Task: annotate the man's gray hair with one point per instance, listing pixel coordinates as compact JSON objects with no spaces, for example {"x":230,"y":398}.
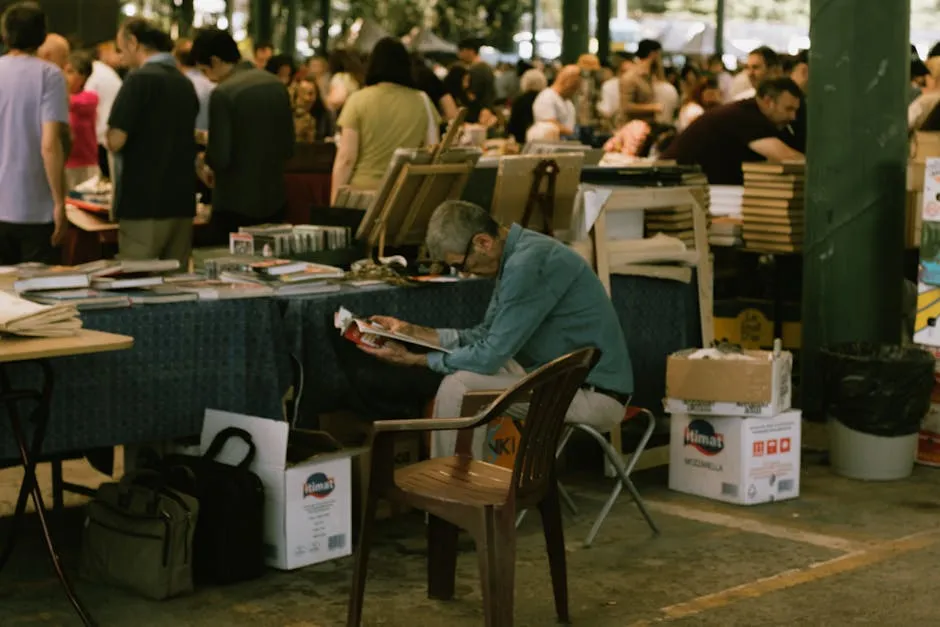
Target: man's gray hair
{"x":453,"y":224}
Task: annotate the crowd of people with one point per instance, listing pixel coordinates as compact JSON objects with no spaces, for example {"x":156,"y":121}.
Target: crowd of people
{"x":146,"y":108}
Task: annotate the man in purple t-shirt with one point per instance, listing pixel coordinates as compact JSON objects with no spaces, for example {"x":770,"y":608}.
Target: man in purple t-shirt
{"x":34,"y":119}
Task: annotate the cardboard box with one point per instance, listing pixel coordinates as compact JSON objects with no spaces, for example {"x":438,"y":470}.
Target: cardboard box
{"x":307,"y":479}
{"x":742,"y":461}
{"x":502,"y":442}
{"x":758,"y":387}
{"x":502,"y":434}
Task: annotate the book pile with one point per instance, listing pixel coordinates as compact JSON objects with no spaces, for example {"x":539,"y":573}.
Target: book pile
{"x":105,"y":284}
{"x":277,"y":276}
{"x":677,"y":221}
{"x":773,"y":206}
{"x":19,"y":316}
{"x":281,"y":240}
{"x":726,"y":231}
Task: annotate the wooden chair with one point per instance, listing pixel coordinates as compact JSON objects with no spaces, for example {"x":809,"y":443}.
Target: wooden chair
{"x":461,"y":493}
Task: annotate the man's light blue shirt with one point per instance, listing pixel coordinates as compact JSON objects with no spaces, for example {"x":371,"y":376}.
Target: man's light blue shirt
{"x":547,"y":303}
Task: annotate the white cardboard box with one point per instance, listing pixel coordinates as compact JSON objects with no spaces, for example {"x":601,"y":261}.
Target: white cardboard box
{"x":307,"y":487}
{"x":758,"y":387}
{"x":736,"y":460}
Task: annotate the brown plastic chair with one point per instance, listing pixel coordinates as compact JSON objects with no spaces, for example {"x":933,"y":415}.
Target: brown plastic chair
{"x":461,"y":493}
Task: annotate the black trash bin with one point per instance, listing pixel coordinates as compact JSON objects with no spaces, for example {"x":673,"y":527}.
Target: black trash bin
{"x":876,"y":396}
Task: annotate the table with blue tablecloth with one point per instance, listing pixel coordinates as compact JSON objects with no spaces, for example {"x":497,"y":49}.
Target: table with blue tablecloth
{"x":186,"y":357}
{"x":235,"y":355}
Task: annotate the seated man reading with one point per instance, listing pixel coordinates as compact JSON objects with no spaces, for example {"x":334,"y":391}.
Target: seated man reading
{"x":547,"y":302}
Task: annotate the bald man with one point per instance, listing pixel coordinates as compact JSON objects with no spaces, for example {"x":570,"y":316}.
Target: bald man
{"x":55,"y":49}
{"x":553,"y":105}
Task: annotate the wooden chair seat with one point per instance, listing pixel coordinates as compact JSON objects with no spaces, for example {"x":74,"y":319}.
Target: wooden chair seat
{"x":457,"y":480}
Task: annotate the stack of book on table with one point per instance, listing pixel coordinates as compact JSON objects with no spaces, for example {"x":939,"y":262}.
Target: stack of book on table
{"x":726,"y":231}
{"x":19,"y":316}
{"x":677,"y":221}
{"x":104,"y":284}
{"x":726,"y":226}
{"x":773,"y":206}
{"x":285,"y":277}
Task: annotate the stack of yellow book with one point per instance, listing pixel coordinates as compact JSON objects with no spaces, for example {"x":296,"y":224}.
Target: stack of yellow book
{"x":677,"y":221}
{"x":773,"y":206}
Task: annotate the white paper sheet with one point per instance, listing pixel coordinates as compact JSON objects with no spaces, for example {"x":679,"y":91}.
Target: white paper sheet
{"x":594,"y":199}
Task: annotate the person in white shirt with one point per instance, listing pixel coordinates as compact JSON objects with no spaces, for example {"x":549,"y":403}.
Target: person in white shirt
{"x":762,"y":63}
{"x":105,"y":82}
{"x":554,"y":104}
{"x":609,"y":103}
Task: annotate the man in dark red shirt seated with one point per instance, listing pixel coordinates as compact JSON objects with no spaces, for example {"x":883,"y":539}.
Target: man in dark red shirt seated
{"x":749,"y":130}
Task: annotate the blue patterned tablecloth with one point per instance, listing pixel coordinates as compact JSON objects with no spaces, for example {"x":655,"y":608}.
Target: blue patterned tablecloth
{"x":235,"y":355}
{"x":186,"y":357}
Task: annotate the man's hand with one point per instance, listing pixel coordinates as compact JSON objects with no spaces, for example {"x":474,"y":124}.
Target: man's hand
{"x":61,"y":225}
{"x":406,"y":328}
{"x":394,"y":324}
{"x":395,"y":353}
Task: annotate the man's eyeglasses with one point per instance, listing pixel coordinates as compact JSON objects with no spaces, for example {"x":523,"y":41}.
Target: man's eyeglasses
{"x":462,"y":266}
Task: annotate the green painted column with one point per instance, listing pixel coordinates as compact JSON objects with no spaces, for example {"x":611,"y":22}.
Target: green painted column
{"x":574,"y":34}
{"x":856,"y":168}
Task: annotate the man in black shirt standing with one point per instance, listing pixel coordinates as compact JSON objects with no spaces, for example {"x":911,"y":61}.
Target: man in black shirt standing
{"x":151,"y":131}
{"x":482,"y":82}
{"x":725,"y":137}
{"x":251,"y":137}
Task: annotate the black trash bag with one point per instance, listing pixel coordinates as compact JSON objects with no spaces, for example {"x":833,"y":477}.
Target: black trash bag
{"x":878,"y":389}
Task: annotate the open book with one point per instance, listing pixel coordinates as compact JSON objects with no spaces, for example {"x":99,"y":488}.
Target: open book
{"x":19,"y":316}
{"x":367,"y":333}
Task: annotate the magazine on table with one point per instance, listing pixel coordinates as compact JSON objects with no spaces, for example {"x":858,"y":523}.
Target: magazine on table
{"x":365,"y":332}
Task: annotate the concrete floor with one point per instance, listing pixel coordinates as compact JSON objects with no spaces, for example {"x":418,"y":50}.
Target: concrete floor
{"x":845,"y":553}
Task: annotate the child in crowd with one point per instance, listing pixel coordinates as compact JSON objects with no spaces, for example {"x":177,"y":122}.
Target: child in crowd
{"x":82,"y":163}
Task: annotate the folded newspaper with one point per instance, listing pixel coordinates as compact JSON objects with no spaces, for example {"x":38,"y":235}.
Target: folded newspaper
{"x":19,"y":316}
{"x":368,"y":333}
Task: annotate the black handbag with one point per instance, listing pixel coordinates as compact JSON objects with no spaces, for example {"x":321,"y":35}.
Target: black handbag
{"x":229,"y":542}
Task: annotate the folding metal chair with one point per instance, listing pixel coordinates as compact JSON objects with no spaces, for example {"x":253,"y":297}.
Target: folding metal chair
{"x":623,"y":470}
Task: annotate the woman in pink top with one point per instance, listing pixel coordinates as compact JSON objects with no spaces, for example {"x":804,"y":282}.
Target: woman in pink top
{"x":82,"y":163}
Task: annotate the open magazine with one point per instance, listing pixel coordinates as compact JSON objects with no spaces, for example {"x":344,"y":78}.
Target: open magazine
{"x":367,"y":333}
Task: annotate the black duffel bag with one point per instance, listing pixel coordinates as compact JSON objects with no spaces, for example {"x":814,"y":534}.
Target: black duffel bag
{"x":229,"y":543}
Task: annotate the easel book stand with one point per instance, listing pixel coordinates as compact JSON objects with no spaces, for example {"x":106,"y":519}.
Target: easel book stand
{"x":400,"y":217}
